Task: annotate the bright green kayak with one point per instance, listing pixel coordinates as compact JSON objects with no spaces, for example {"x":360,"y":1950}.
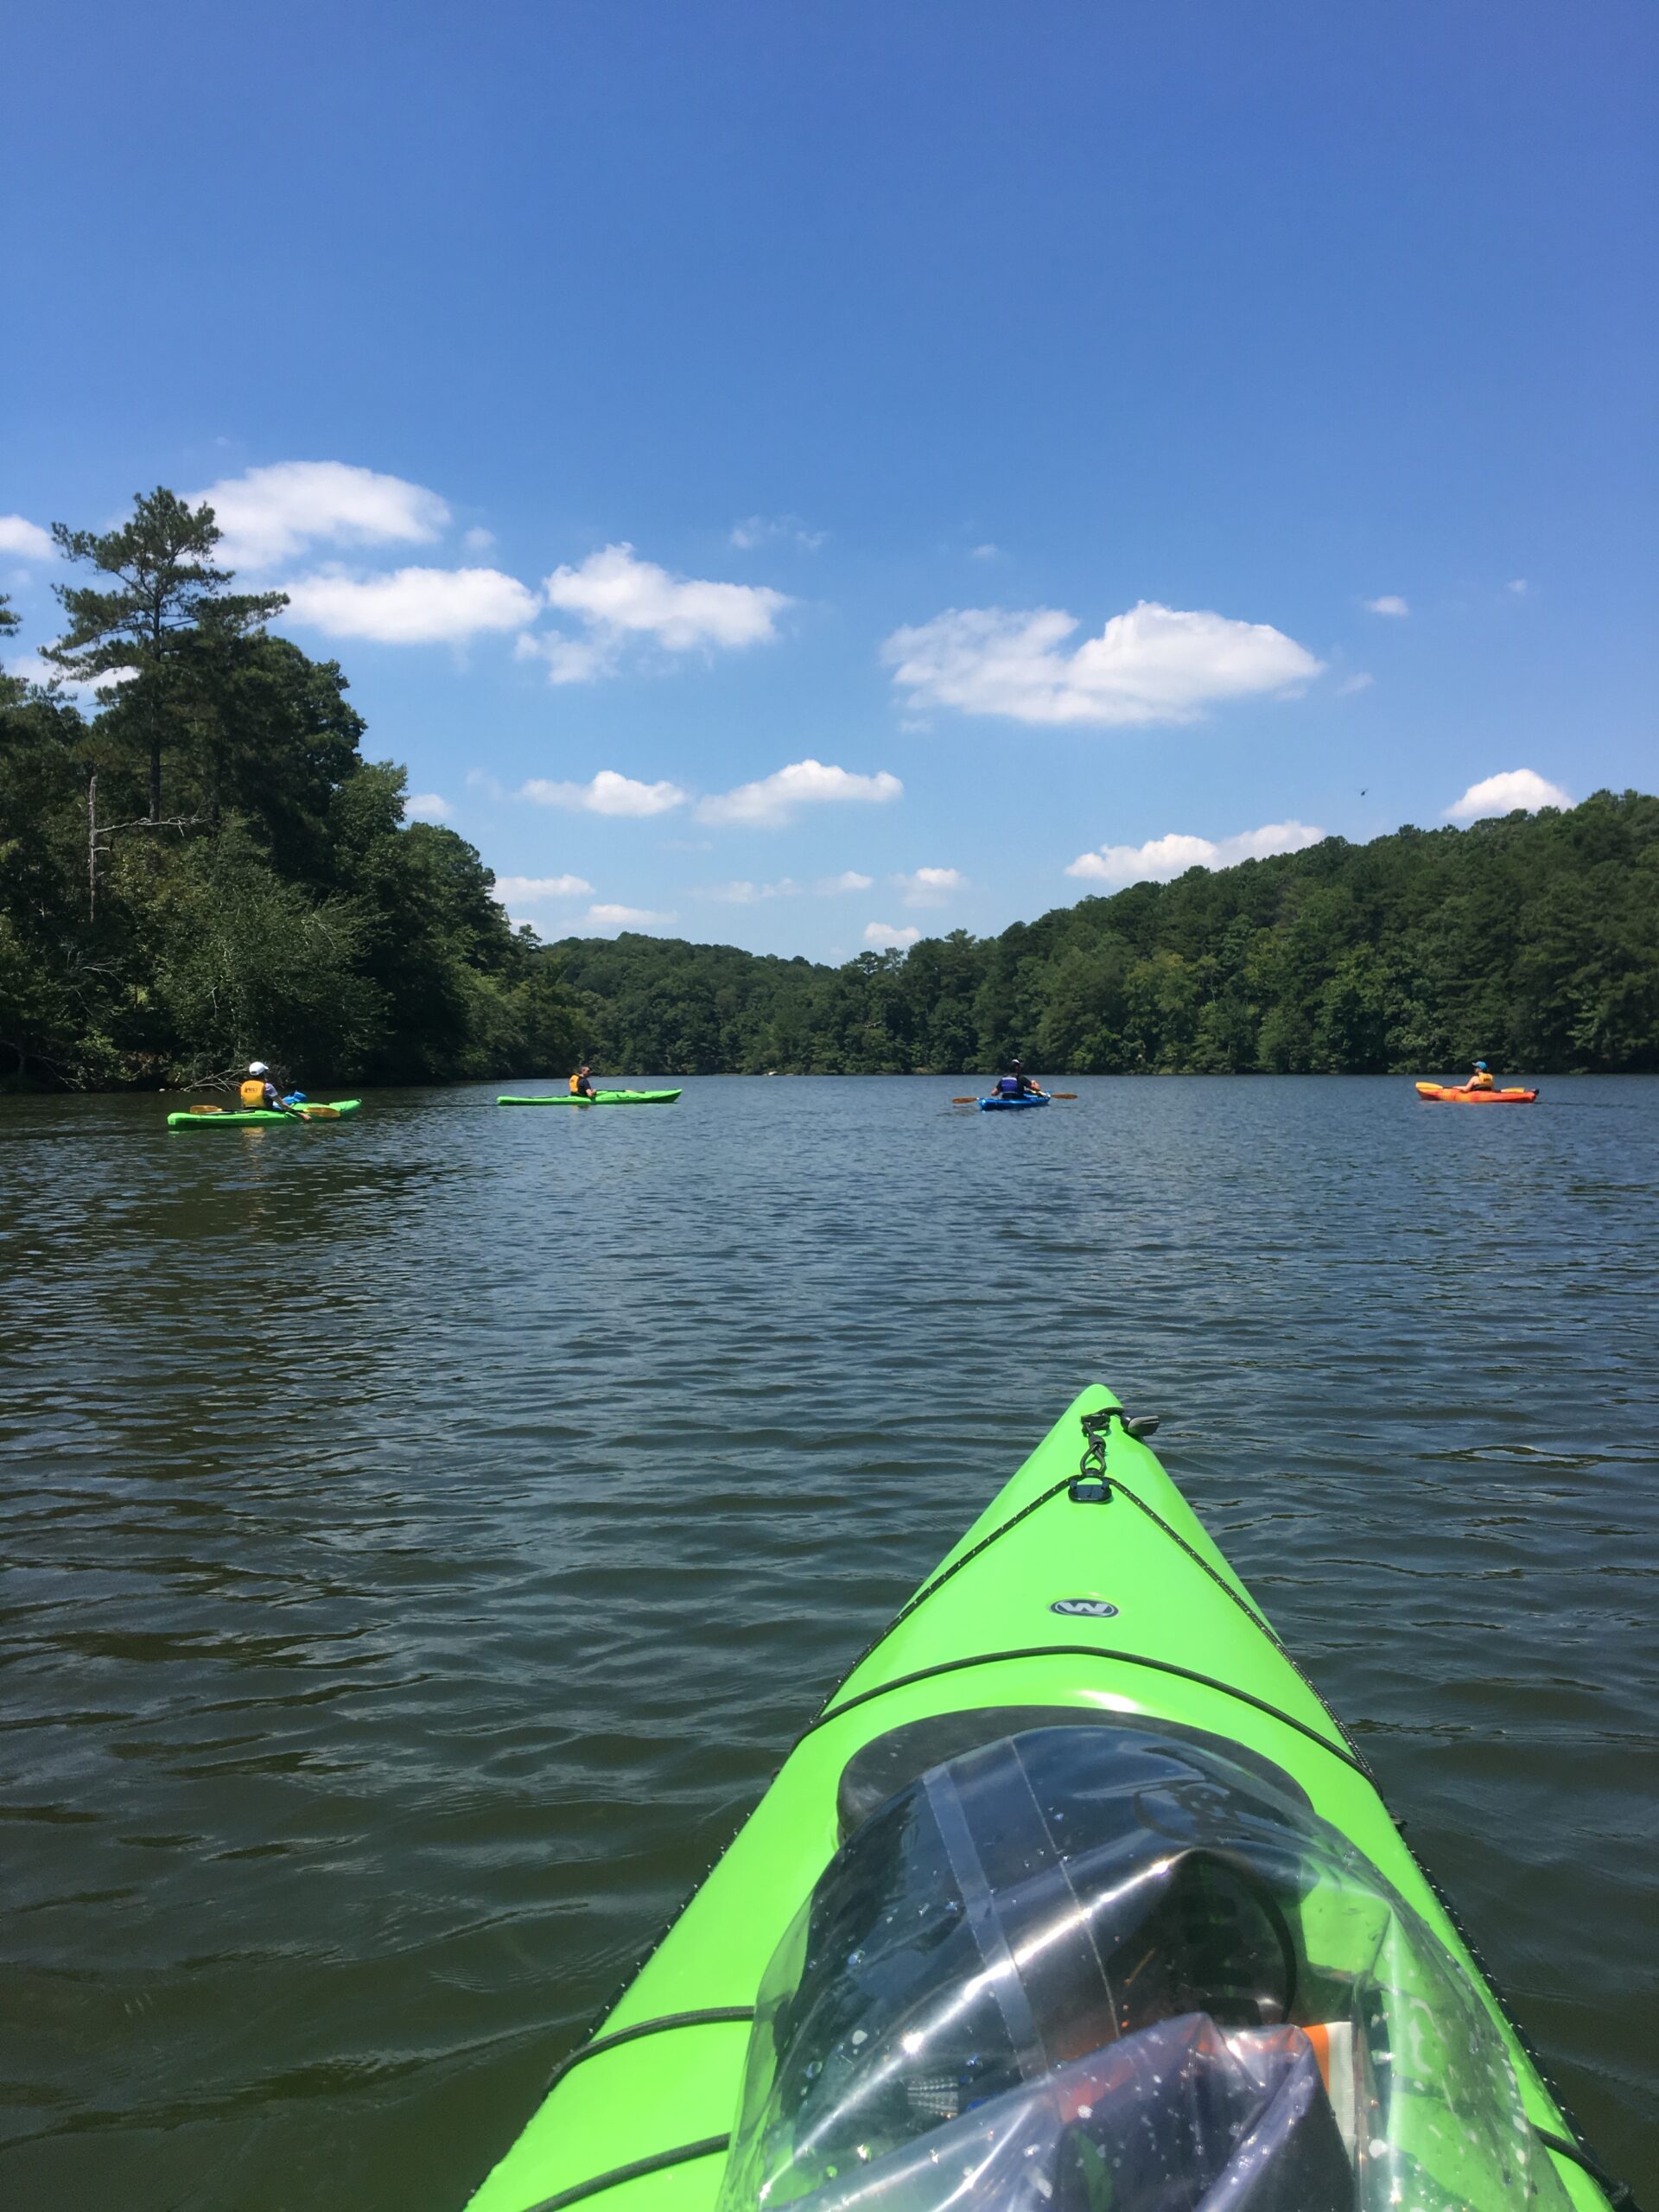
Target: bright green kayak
{"x":599,"y":1098}
{"x":1075,"y":1898}
{"x":258,"y":1117}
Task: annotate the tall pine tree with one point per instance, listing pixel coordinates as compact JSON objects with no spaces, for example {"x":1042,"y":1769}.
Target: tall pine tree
{"x":141,"y":627}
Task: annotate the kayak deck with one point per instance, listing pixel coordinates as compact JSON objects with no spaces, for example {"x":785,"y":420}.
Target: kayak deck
{"x":1011,"y":1105}
{"x":599,"y":1098}
{"x":260,"y":1118}
{"x":1121,"y":1608}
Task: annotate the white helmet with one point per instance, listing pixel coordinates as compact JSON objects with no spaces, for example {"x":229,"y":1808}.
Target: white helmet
{"x":257,"y":1067}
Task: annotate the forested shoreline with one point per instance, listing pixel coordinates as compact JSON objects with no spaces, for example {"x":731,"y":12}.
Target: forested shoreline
{"x":207,"y":866}
{"x":1532,"y":942}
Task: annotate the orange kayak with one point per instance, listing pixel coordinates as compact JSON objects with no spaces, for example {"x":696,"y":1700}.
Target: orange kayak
{"x":1467,"y":1098}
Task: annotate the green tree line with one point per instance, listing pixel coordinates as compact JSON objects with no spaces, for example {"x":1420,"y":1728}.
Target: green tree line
{"x":207,"y":867}
{"x":1532,"y":942}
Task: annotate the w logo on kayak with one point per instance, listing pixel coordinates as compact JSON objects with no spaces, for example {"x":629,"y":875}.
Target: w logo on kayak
{"x":1095,"y":1608}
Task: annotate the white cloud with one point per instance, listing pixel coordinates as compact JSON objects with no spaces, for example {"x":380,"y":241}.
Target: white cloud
{"x":607,"y":793}
{"x":1350,"y":685}
{"x":1515,"y":788}
{"x":1153,"y":664}
{"x":1391,"y":603}
{"x":1161,"y":859}
{"x":745,"y":893}
{"x":617,"y":598}
{"x":478,"y":539}
{"x":270,"y":514}
{"x":767,"y":530}
{"x":986,"y":552}
{"x":569,"y":660}
{"x":411,"y":607}
{"x":624,"y":918}
{"x":1518,"y":586}
{"x":774,"y":799}
{"x":931,"y":886}
{"x":427,"y":806}
{"x":885,"y":938}
{"x":32,"y":668}
{"x":25,"y":538}
{"x":530,"y":890}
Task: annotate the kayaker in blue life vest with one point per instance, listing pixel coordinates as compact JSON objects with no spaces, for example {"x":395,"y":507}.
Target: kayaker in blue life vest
{"x":581,"y":1083}
{"x":1017,"y":1083}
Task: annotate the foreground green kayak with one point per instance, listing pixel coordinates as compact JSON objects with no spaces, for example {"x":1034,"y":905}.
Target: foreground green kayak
{"x":1075,"y":1898}
{"x":258,"y":1118}
{"x":599,"y":1098}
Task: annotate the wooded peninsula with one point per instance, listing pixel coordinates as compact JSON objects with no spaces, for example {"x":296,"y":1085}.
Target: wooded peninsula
{"x":206,"y":866}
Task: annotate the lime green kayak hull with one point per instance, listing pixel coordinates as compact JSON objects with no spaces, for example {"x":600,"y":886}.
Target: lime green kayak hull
{"x":659,"y":2093}
{"x":599,"y":1098}
{"x":259,"y":1118}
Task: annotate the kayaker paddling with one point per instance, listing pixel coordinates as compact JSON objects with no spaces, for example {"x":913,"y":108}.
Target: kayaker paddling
{"x":1481,"y":1077}
{"x":581,"y":1083}
{"x":260,"y":1094}
{"x":1017,"y":1083}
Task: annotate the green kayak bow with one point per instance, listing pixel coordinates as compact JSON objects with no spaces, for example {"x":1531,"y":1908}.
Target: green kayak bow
{"x":1076,"y":1893}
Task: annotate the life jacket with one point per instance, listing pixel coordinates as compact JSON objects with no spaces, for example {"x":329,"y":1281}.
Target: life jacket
{"x":1481,"y":1082}
{"x":1007,"y":1086}
{"x":575,"y":1086}
{"x":253,"y":1091}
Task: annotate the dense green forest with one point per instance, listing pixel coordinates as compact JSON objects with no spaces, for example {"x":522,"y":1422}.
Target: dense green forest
{"x":1532,"y":942}
{"x":207,"y":867}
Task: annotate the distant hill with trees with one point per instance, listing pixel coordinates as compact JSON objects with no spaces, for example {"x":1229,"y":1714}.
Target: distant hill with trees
{"x":1532,"y":942}
{"x":209,"y":867}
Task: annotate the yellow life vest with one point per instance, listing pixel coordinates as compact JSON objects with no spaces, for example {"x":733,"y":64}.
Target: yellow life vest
{"x":1481,"y":1083}
{"x":575,"y":1086}
{"x":253,"y":1091}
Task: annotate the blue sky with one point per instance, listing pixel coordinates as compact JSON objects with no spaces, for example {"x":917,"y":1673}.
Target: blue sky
{"x":813,"y":473}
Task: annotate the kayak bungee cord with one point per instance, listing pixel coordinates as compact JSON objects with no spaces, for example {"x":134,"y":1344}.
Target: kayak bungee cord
{"x":708,"y":2016}
{"x":660,"y":2163}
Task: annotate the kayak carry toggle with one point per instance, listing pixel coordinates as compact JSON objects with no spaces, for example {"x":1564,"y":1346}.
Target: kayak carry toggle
{"x":1092,"y":1484}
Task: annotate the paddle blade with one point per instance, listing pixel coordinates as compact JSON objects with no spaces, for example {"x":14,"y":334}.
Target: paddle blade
{"x":321,"y":1113}
{"x":207,"y":1109}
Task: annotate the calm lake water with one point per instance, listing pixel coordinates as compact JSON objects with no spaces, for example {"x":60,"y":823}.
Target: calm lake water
{"x":424,"y":1535}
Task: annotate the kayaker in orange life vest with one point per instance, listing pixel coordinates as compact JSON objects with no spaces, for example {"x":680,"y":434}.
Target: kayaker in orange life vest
{"x":581,"y":1085}
{"x":1481,"y":1079}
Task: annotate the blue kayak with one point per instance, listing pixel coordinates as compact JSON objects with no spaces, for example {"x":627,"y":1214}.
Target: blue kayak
{"x":1013,"y":1105}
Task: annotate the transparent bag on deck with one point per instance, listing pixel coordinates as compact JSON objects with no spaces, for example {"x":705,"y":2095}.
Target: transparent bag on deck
{"x":1094,"y":1969}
